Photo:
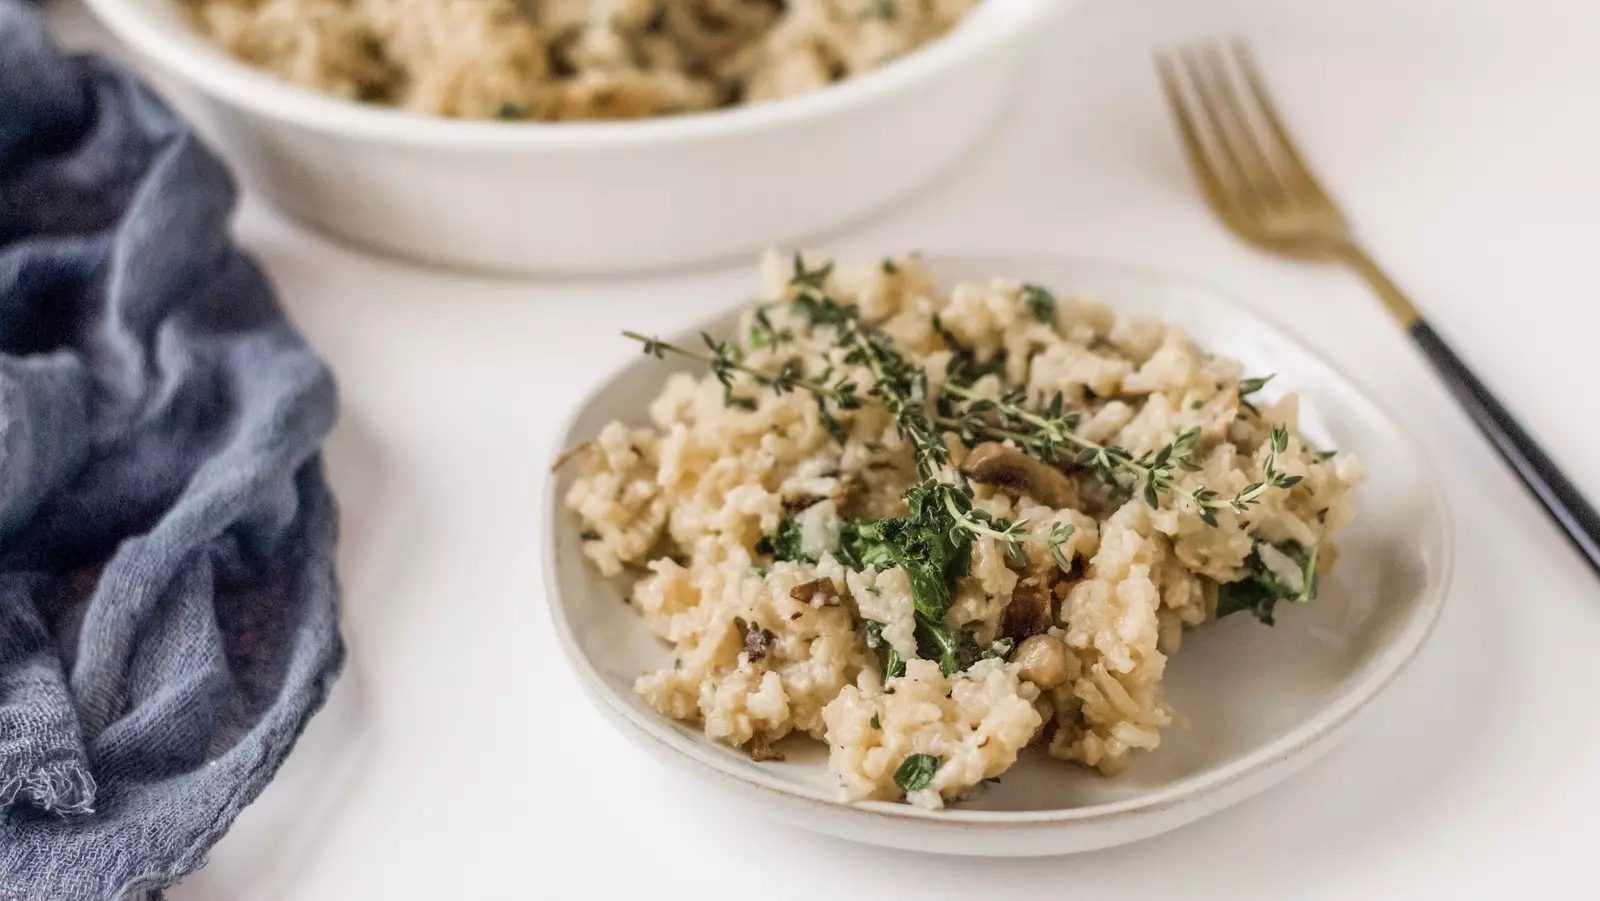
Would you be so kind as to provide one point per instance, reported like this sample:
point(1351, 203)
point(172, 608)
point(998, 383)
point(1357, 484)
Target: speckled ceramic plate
point(1259, 703)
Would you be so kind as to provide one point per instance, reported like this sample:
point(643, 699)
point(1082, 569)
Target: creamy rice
point(691, 505)
point(556, 60)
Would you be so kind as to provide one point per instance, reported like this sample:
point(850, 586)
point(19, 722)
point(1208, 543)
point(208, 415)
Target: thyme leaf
point(1251, 386)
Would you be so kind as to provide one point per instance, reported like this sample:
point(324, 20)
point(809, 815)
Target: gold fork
point(1260, 186)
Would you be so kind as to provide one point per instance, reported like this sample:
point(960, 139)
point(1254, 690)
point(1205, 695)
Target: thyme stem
point(1057, 429)
point(659, 349)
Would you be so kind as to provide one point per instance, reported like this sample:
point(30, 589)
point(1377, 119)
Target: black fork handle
point(1560, 498)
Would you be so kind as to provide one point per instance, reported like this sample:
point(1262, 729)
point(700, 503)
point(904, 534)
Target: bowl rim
point(207, 68)
point(1307, 737)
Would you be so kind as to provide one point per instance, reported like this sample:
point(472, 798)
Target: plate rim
point(1314, 735)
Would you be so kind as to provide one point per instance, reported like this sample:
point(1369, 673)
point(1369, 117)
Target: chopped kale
point(916, 772)
point(1041, 303)
point(1259, 590)
point(785, 543)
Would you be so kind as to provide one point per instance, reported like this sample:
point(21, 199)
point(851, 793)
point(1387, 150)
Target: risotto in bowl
point(1069, 552)
point(562, 60)
point(589, 136)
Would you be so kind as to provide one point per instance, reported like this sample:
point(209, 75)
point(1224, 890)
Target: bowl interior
point(1245, 694)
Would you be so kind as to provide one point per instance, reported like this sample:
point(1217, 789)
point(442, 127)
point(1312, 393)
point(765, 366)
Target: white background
point(459, 760)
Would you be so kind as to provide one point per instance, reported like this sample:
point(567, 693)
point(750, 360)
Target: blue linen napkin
point(168, 606)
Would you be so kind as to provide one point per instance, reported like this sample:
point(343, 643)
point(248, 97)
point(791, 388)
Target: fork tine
point(1286, 147)
point(1239, 129)
point(1246, 178)
point(1194, 149)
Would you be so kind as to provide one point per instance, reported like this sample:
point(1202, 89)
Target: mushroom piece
point(1018, 474)
point(1043, 660)
point(760, 749)
point(806, 592)
point(1028, 612)
point(757, 641)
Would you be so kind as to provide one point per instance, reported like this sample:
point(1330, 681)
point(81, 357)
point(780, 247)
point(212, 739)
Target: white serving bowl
point(1255, 703)
point(596, 197)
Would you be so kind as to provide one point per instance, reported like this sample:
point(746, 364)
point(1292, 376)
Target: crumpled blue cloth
point(168, 606)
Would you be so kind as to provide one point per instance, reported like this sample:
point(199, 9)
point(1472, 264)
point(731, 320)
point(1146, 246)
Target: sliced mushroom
point(805, 592)
point(846, 488)
point(1018, 474)
point(1029, 612)
point(806, 493)
point(760, 749)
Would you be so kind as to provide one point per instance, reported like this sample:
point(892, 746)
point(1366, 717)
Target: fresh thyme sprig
point(1155, 472)
point(932, 541)
point(725, 359)
point(902, 387)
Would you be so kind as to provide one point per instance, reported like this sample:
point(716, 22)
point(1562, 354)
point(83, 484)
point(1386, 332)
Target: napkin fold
point(168, 606)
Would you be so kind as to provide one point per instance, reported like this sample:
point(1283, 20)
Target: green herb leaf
point(1060, 533)
point(785, 543)
point(893, 666)
point(1251, 386)
point(874, 723)
point(653, 347)
point(814, 279)
point(1001, 647)
point(764, 334)
point(1308, 576)
point(1040, 302)
point(935, 641)
point(1259, 590)
point(864, 543)
point(916, 772)
point(964, 367)
point(926, 543)
point(874, 633)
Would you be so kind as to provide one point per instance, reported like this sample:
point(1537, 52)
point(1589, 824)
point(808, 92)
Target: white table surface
point(459, 760)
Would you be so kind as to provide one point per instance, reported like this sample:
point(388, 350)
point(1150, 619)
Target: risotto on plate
point(935, 528)
point(555, 60)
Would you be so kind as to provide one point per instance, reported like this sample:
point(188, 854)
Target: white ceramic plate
point(1260, 702)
